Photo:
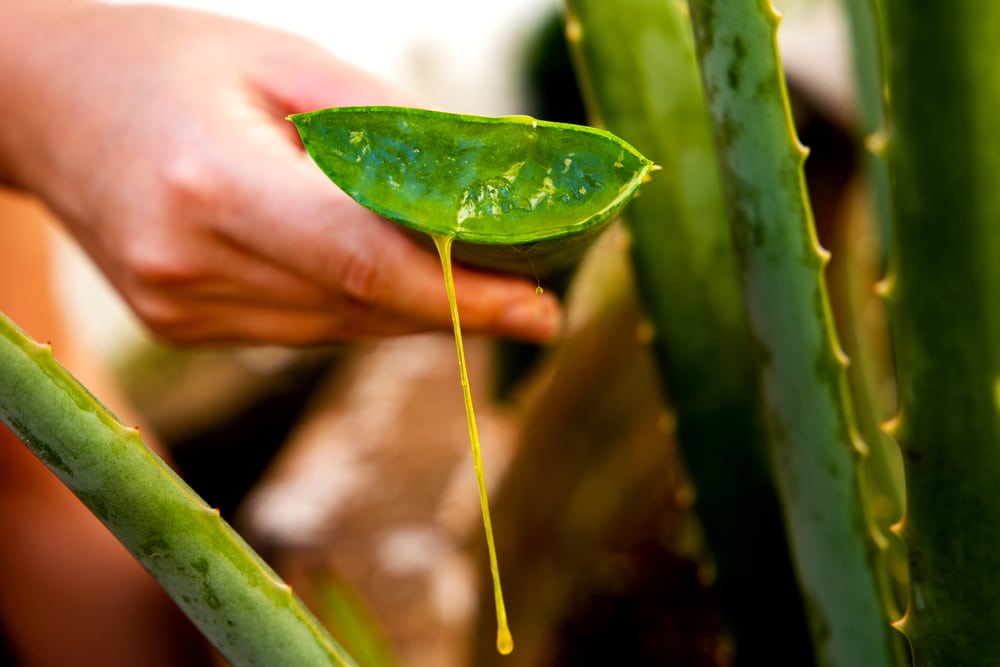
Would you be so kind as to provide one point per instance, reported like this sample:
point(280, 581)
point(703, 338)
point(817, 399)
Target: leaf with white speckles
point(507, 181)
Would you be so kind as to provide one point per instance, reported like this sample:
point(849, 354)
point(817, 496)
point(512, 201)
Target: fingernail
point(538, 318)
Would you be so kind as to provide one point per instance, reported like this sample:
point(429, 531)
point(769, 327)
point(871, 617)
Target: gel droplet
point(505, 642)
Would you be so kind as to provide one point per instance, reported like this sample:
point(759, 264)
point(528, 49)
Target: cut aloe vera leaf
point(517, 194)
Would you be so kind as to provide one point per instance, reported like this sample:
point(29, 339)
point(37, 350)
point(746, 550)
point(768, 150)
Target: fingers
point(222, 272)
point(227, 322)
point(222, 311)
point(243, 298)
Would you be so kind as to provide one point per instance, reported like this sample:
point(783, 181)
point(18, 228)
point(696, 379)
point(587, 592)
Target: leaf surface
point(506, 181)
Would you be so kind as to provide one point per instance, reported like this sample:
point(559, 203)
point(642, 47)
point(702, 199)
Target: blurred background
point(348, 467)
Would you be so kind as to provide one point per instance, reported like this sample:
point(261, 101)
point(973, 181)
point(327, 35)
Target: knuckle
point(360, 277)
point(156, 265)
point(190, 182)
point(157, 259)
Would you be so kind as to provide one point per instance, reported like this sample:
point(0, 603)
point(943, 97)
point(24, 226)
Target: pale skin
point(158, 137)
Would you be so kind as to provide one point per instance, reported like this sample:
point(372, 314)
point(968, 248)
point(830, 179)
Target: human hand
point(158, 137)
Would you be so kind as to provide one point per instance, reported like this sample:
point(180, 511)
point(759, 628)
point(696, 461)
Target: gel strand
point(505, 642)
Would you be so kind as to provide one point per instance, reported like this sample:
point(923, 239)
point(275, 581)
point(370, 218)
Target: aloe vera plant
point(526, 196)
point(863, 263)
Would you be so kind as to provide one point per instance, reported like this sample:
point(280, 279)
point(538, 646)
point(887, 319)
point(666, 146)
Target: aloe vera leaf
point(944, 157)
point(802, 367)
point(868, 363)
point(229, 593)
point(517, 194)
point(862, 327)
point(860, 261)
point(638, 69)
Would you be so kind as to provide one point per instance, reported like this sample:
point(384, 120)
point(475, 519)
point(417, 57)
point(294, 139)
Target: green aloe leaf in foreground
point(517, 194)
point(237, 601)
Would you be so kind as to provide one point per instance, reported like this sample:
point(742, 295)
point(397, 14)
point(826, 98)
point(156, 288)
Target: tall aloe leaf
point(944, 156)
point(863, 262)
point(233, 597)
point(803, 369)
point(636, 60)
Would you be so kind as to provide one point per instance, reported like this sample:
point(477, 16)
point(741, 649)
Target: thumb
point(305, 78)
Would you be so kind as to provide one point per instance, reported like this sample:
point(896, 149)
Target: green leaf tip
point(511, 181)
